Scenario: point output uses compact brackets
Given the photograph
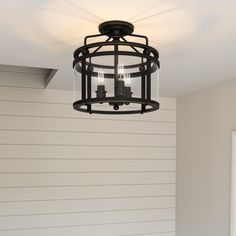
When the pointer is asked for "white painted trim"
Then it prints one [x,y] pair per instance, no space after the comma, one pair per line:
[50,76]
[233,186]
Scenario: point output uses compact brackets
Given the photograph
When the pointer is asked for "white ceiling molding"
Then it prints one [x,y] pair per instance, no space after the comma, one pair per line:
[25,77]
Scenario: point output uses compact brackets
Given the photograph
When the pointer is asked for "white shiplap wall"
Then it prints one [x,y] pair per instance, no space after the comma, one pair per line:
[67,173]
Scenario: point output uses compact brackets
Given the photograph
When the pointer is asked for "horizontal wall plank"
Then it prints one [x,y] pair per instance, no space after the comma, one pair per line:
[83,152]
[66,111]
[57,96]
[100,230]
[151,234]
[84,166]
[64,172]
[56,179]
[64,138]
[85,205]
[92,218]
[73,232]
[18,194]
[91,125]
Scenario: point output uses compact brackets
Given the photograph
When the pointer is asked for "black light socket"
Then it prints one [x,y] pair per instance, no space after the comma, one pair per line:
[128,94]
[101,92]
[120,88]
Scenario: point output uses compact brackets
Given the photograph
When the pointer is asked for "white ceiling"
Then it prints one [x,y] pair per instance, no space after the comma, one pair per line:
[196,39]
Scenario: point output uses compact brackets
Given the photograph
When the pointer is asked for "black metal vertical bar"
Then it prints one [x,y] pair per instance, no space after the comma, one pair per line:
[143,89]
[89,90]
[115,67]
[83,80]
[143,86]
[148,79]
[89,71]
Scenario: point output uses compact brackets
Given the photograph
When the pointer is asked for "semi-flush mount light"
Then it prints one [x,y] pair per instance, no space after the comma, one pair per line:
[116,76]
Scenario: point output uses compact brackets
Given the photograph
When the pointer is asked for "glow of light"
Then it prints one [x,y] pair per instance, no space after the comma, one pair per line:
[121,71]
[100,77]
[127,79]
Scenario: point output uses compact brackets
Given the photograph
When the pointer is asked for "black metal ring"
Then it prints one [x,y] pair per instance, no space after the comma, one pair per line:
[110,53]
[112,67]
[111,76]
[153,104]
[113,43]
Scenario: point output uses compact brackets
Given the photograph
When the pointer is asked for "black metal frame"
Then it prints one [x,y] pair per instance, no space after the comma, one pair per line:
[149,63]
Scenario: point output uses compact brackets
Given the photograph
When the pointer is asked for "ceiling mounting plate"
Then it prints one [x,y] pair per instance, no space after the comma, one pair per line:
[116,28]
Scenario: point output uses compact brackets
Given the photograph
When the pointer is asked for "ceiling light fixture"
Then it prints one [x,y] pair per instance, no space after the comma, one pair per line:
[116,76]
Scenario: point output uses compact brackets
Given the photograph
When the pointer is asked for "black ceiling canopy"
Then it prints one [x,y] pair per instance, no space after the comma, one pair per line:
[118,75]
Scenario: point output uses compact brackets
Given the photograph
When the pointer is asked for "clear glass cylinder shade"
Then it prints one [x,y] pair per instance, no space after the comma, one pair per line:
[98,77]
[155,85]
[117,76]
